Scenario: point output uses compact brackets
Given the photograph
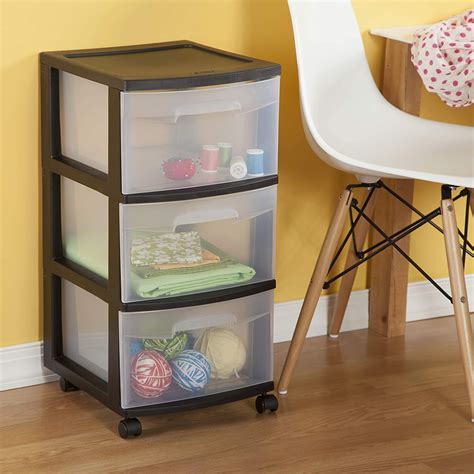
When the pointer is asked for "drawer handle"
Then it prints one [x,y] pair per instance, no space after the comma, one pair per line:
[205,322]
[208,108]
[205,216]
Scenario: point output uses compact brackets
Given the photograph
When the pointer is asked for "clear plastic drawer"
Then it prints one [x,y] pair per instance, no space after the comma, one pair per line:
[184,353]
[84,226]
[193,246]
[196,137]
[85,329]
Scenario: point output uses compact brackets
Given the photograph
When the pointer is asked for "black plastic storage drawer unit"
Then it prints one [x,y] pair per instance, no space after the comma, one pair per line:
[159,194]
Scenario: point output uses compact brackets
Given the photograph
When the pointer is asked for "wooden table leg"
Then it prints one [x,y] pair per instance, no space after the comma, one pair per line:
[389,271]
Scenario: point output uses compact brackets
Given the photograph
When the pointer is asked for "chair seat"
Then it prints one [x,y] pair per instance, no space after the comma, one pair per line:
[399,145]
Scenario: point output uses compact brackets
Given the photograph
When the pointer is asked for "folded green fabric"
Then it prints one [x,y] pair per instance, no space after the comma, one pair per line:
[175,284]
[152,283]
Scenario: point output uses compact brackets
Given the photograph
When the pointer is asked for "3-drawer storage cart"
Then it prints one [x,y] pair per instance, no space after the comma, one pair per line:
[159,192]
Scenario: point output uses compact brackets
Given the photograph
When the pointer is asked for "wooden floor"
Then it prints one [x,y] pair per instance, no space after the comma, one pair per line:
[360,404]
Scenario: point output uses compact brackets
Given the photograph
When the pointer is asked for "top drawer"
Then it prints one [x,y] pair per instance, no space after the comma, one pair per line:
[175,139]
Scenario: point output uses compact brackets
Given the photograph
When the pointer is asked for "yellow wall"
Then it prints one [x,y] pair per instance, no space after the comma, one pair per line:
[252,27]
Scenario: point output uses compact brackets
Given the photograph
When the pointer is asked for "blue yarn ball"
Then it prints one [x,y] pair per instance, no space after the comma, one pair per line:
[191,370]
[136,345]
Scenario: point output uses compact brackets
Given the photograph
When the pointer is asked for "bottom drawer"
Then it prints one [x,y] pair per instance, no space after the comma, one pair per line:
[183,353]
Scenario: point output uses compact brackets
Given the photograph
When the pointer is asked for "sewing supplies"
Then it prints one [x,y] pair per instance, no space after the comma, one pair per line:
[225,154]
[171,347]
[255,162]
[150,374]
[191,370]
[225,351]
[179,168]
[238,167]
[209,158]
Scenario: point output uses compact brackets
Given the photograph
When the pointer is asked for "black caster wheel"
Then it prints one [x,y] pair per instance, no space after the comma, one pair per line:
[129,427]
[66,386]
[266,402]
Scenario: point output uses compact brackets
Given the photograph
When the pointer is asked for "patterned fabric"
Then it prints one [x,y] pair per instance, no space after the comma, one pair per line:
[443,55]
[212,257]
[207,258]
[175,248]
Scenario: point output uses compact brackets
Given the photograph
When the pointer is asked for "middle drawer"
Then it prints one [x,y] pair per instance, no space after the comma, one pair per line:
[193,246]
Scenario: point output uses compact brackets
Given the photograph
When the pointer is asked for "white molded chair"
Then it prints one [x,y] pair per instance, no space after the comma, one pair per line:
[351,126]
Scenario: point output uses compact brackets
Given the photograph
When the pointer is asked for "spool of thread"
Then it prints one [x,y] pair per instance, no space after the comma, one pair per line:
[225,154]
[238,167]
[255,162]
[209,158]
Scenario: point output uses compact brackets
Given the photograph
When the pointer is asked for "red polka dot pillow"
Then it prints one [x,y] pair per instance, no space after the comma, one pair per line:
[443,55]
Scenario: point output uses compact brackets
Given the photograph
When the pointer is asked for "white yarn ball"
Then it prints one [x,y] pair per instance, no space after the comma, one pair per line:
[225,351]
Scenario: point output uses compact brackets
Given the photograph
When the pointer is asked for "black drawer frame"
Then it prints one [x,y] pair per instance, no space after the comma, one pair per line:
[57,267]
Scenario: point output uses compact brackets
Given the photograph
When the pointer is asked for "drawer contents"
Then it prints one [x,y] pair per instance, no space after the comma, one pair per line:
[179,168]
[210,158]
[183,247]
[161,270]
[150,374]
[195,351]
[224,350]
[176,139]
[191,370]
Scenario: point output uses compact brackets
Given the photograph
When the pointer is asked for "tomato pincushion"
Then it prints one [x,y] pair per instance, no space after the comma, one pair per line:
[179,168]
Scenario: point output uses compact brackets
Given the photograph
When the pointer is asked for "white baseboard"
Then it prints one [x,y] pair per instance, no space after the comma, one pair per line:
[21,365]
[424,301]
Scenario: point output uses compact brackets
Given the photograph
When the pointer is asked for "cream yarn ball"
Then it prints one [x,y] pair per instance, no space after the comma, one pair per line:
[224,350]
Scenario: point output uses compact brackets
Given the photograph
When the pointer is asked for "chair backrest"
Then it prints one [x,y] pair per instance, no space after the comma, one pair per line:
[337,91]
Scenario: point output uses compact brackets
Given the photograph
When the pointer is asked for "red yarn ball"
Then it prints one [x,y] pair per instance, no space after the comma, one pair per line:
[150,374]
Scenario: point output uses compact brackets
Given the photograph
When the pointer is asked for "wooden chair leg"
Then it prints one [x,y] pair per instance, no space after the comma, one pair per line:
[459,294]
[314,289]
[347,281]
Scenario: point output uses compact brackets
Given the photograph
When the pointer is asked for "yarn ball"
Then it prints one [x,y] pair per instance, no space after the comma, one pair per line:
[225,351]
[191,370]
[171,347]
[150,374]
[136,345]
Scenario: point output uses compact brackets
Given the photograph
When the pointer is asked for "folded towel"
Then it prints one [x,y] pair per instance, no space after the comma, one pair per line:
[177,284]
[152,283]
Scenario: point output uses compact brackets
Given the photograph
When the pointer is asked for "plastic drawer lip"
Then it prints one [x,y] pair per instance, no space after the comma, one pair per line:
[246,68]
[201,402]
[197,192]
[198,299]
[220,320]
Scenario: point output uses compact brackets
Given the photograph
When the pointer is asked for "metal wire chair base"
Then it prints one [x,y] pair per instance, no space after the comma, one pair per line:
[356,213]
